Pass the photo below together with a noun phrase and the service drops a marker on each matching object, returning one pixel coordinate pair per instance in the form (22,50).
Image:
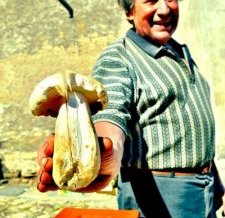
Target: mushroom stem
(76,142)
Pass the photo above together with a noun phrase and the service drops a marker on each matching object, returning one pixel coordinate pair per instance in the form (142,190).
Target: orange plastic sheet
(96,213)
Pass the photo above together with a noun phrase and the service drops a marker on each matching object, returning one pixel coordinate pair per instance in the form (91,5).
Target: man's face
(155,19)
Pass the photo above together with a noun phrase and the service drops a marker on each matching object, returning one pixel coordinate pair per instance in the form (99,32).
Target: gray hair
(126,4)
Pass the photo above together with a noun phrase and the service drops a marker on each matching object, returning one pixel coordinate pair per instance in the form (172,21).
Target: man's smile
(162,24)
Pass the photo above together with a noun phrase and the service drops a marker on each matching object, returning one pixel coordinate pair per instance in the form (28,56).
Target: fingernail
(46,146)
(39,178)
(41,187)
(44,162)
(48,150)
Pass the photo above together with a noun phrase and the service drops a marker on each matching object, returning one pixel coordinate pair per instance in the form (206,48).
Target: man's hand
(44,159)
(104,176)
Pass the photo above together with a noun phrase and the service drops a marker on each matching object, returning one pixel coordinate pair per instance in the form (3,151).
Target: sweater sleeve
(112,71)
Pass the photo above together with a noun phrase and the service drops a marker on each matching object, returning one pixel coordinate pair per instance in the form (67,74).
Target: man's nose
(162,7)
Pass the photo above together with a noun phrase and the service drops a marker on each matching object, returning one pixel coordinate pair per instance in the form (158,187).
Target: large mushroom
(76,159)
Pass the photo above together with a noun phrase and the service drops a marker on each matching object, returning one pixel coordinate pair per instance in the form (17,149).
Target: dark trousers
(166,196)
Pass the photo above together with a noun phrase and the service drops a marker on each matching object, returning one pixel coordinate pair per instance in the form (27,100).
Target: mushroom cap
(50,93)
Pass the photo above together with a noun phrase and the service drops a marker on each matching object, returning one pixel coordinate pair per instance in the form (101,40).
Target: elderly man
(158,130)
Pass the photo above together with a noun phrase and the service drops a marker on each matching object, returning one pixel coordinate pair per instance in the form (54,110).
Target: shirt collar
(154,50)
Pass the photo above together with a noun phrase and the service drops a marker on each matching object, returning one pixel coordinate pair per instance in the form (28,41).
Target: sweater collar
(154,50)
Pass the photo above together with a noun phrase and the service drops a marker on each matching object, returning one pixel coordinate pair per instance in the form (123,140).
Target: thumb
(105,144)
(107,155)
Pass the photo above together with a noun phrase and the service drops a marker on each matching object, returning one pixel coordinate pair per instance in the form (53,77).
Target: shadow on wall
(1,172)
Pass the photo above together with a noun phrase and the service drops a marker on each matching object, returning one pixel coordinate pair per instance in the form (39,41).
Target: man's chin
(162,37)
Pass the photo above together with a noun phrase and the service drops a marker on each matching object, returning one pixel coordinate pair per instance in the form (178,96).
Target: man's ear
(129,15)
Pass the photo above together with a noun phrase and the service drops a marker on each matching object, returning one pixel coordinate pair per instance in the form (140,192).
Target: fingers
(45,178)
(45,182)
(46,164)
(45,161)
(44,188)
(46,149)
(49,149)
(41,152)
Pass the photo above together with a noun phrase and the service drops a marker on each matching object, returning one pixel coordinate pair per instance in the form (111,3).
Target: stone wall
(39,39)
